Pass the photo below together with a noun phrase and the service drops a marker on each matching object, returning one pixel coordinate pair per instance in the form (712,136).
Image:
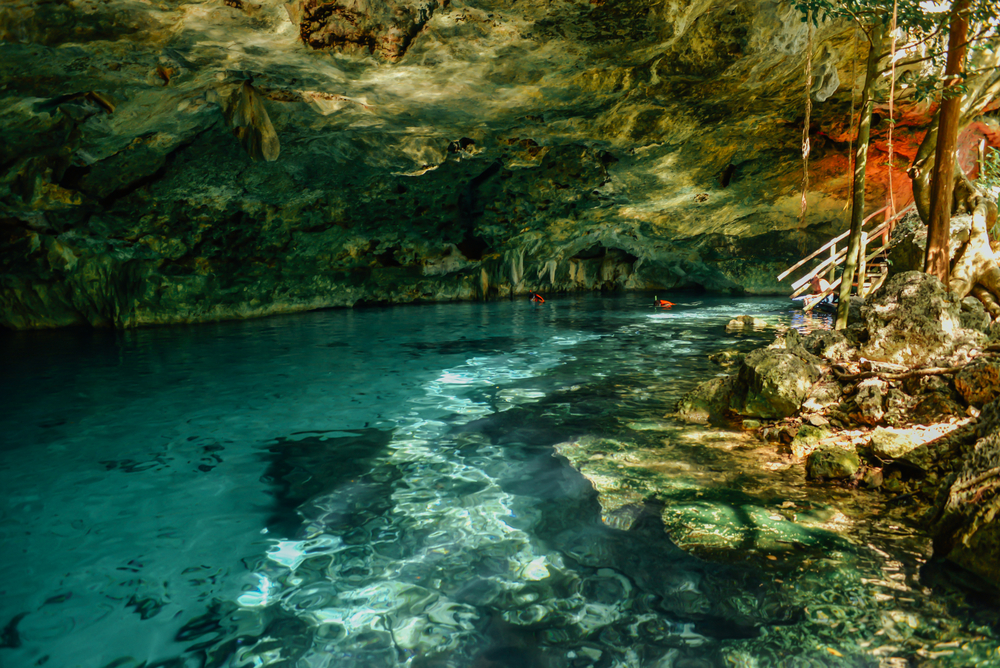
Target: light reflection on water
(362,488)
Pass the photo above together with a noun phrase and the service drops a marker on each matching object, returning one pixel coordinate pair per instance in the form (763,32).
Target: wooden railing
(837,257)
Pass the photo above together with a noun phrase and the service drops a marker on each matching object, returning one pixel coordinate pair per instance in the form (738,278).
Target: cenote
(450,485)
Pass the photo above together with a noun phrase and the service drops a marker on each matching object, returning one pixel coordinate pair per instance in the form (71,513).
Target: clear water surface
(380,487)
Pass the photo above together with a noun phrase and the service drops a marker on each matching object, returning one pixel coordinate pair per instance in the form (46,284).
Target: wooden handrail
(818,269)
(800,286)
(831,243)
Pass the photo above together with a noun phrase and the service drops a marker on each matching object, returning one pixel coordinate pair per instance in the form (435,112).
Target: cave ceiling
(167,161)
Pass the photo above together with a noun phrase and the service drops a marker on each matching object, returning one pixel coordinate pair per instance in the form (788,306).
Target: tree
(923,28)
(937,259)
(870,17)
(876,38)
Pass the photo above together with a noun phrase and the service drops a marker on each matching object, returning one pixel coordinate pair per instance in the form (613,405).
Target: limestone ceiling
(165,161)
(340,78)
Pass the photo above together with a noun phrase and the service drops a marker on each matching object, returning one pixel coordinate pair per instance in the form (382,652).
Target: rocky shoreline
(904,404)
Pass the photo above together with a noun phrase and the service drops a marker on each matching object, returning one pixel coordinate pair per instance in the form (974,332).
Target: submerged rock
(745,322)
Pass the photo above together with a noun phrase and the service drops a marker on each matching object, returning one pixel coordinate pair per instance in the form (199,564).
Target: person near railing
(819,286)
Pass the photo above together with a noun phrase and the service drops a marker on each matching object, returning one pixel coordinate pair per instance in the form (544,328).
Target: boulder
(898,407)
(890,444)
(825,393)
(828,343)
(832,463)
(726,358)
(979,382)
(866,407)
(968,528)
(708,402)
(935,399)
(974,316)
(773,383)
(910,241)
(913,319)
(743,322)
(806,439)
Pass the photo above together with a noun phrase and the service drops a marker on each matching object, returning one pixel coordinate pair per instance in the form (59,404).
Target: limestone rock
(935,399)
(890,444)
(979,382)
(726,358)
(825,393)
(872,478)
(974,315)
(806,439)
(912,320)
(898,407)
(832,463)
(866,406)
(968,530)
(910,246)
(828,343)
(708,402)
(743,322)
(533,138)
(773,383)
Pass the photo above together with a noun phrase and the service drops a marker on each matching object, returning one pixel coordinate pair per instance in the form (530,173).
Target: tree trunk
(854,249)
(936,259)
(981,89)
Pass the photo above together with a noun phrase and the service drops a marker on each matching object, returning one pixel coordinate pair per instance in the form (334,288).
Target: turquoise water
(367,488)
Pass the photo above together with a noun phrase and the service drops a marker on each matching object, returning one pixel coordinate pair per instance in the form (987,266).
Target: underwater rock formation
(403,150)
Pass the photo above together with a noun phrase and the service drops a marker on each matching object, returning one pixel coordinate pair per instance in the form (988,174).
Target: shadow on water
(466,346)
(301,469)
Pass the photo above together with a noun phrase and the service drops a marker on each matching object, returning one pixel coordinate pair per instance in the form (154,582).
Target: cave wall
(211,160)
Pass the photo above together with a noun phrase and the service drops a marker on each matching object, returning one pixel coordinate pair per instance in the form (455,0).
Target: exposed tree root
(976,264)
(904,375)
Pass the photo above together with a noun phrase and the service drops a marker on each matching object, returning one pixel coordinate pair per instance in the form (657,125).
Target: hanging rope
(891,212)
(805,129)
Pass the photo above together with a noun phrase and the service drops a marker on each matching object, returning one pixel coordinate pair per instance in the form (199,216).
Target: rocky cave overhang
(178,161)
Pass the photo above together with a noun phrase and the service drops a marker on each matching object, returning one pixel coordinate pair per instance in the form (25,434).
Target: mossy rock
(832,463)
